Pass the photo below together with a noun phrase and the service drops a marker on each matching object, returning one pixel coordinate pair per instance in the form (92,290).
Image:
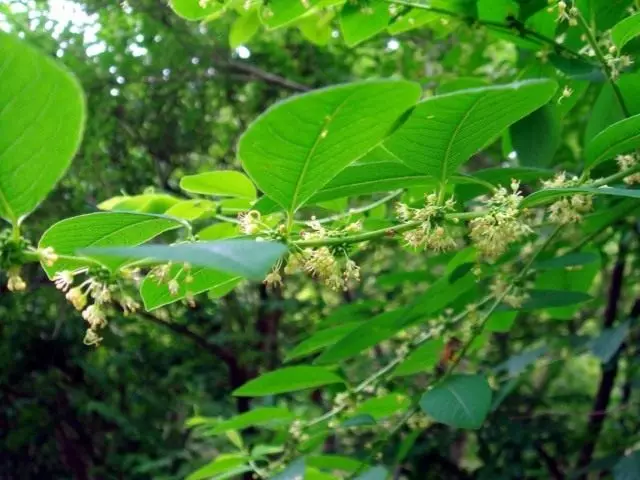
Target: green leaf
(360,21)
(628,468)
(621,137)
(360,420)
(278,13)
(289,379)
(607,111)
(247,258)
(518,363)
(607,344)
(500,321)
(540,299)
(460,401)
(244,28)
(223,463)
(316,27)
(223,183)
(42,110)
(191,209)
(261,416)
(147,203)
(334,462)
(192,9)
(321,339)
(444,131)
(547,194)
(367,335)
(569,260)
(536,137)
(218,231)
(101,229)
(295,471)
(375,473)
(155,295)
(626,30)
(423,358)
(384,406)
(334,127)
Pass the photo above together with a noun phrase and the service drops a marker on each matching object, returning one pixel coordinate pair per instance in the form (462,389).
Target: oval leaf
(626,30)
(321,339)
(100,230)
(443,132)
(360,21)
(333,128)
(621,137)
(460,401)
(290,379)
(548,194)
(42,111)
(258,416)
(194,9)
(221,183)
(247,258)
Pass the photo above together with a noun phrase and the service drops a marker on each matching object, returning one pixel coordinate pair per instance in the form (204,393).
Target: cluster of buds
(570,14)
(174,278)
(616,62)
(15,282)
(331,265)
(626,162)
(502,225)
(431,233)
(567,210)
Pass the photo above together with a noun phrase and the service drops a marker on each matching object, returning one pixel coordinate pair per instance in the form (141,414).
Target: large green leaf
(289,379)
(223,183)
(460,401)
(245,27)
(246,258)
(101,229)
(145,203)
(626,30)
(260,416)
(621,137)
(42,113)
(536,137)
(321,339)
(444,131)
(333,127)
(222,464)
(196,9)
(548,194)
(360,21)
(156,294)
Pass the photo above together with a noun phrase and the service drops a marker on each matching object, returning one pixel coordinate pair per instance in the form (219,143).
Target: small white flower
(95,317)
(15,282)
(174,287)
(48,256)
(63,280)
(77,298)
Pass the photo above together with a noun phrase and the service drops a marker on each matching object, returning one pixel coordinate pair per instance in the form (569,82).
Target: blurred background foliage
(168,98)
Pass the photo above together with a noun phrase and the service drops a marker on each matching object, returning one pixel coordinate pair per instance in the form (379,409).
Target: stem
(616,176)
(600,56)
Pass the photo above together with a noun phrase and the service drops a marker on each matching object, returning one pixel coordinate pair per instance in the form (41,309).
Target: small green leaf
(422,359)
(500,321)
(375,473)
(261,416)
(360,420)
(278,13)
(607,344)
(157,203)
(316,27)
(569,260)
(42,110)
(547,194)
(218,231)
(384,406)
(223,183)
(191,209)
(621,137)
(155,295)
(626,30)
(101,229)
(193,9)
(460,401)
(444,131)
(295,471)
(334,462)
(321,339)
(360,21)
(222,464)
(291,165)
(247,258)
(367,335)
(289,379)
(244,28)
(628,468)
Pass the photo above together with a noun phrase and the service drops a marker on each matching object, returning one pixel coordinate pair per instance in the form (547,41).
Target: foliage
(446,262)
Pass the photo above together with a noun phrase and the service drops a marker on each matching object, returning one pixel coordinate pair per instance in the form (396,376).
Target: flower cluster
(616,62)
(625,162)
(502,224)
(431,233)
(174,276)
(567,210)
(15,282)
(570,14)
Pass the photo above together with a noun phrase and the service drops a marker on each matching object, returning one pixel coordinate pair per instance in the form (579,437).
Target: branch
(550,462)
(268,77)
(610,370)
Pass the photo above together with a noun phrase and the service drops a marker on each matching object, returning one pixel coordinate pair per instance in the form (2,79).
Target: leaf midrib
(460,401)
(307,161)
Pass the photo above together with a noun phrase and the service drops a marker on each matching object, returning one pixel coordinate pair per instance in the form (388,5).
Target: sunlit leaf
(289,379)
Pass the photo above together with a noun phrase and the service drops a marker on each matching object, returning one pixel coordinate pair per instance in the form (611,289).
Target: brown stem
(609,370)
(552,465)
